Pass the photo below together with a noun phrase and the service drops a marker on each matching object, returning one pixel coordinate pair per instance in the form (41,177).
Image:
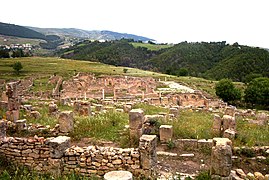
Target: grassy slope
(152,47)
(18,40)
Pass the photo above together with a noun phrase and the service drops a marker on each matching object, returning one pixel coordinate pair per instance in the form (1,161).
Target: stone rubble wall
(54,155)
(99,160)
(32,152)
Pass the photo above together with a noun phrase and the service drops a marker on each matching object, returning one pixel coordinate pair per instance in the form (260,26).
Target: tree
(4,53)
(226,90)
(182,72)
(17,66)
(257,92)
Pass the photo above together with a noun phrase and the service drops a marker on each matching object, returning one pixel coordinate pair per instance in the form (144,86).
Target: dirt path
(174,86)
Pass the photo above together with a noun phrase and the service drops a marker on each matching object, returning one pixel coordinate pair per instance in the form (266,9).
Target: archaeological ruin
(51,149)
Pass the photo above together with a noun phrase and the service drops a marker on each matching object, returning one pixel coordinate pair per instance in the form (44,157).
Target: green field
(152,47)
(41,68)
(17,40)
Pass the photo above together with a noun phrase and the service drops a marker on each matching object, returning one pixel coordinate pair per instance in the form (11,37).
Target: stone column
(166,133)
(230,110)
(217,125)
(174,111)
(21,125)
(13,104)
(136,120)
(221,159)
(66,121)
(148,156)
(103,93)
(57,148)
(3,128)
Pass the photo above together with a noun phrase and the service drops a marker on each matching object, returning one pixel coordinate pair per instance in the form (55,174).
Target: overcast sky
(171,21)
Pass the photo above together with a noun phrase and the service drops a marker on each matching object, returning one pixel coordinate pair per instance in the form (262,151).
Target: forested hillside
(52,41)
(214,60)
(119,53)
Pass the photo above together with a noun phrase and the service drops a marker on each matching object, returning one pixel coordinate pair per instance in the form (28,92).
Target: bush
(257,92)
(226,90)
(17,66)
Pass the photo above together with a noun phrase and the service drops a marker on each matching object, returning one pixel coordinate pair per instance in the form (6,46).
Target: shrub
(17,66)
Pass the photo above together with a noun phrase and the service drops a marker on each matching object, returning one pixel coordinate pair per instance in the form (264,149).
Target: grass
(150,109)
(152,47)
(251,134)
(17,40)
(41,68)
(192,125)
(105,126)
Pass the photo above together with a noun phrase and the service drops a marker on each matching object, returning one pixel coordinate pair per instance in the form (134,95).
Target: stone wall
(99,160)
(54,155)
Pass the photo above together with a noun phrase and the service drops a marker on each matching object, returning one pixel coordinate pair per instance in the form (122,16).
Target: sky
(166,21)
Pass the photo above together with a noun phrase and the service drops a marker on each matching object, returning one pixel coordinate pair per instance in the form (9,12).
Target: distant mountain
(20,31)
(93,35)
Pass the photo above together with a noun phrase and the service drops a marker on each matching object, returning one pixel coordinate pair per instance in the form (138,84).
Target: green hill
(52,41)
(214,60)
(20,31)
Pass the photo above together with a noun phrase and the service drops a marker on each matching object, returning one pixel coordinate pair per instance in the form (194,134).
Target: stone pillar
(221,159)
(21,125)
(66,121)
(3,128)
(114,94)
(166,133)
(122,175)
(230,110)
(103,93)
(174,111)
(148,156)
(229,122)
(13,103)
(136,120)
(57,148)
(217,125)
(99,107)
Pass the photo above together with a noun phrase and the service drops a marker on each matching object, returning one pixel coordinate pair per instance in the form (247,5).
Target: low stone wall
(32,152)
(54,155)
(99,160)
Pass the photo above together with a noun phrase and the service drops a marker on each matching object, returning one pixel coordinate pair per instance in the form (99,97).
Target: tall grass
(192,125)
(150,109)
(251,134)
(105,126)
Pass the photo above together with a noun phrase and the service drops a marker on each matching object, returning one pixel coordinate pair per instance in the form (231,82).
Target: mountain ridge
(89,34)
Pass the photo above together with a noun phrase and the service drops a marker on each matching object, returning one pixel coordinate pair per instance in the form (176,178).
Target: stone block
(229,122)
(21,125)
(229,133)
(174,111)
(136,118)
(3,128)
(122,175)
(186,144)
(166,133)
(53,108)
(58,146)
(230,110)
(99,107)
(205,144)
(148,155)
(217,125)
(221,157)
(66,121)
